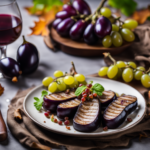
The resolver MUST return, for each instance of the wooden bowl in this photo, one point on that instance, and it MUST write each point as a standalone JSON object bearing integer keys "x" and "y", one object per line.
{"x": 79, "y": 48}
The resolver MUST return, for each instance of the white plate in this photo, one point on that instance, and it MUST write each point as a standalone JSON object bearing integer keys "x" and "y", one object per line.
{"x": 39, "y": 118}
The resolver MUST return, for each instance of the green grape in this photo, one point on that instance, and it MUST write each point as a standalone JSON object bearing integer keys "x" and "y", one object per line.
{"x": 138, "y": 75}
{"x": 145, "y": 79}
{"x": 107, "y": 41}
{"x": 115, "y": 27}
{"x": 119, "y": 74}
{"x": 112, "y": 19}
{"x": 141, "y": 68}
{"x": 132, "y": 64}
{"x": 79, "y": 77}
{"x": 75, "y": 84}
{"x": 47, "y": 80}
{"x": 58, "y": 73}
{"x": 116, "y": 39}
{"x": 103, "y": 71}
{"x": 130, "y": 24}
{"x": 61, "y": 85}
{"x": 127, "y": 75}
{"x": 106, "y": 12}
{"x": 68, "y": 80}
{"x": 53, "y": 87}
{"x": 121, "y": 64}
{"x": 127, "y": 35}
{"x": 112, "y": 71}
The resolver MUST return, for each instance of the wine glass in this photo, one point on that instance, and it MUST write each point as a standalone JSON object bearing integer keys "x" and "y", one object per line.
{"x": 10, "y": 24}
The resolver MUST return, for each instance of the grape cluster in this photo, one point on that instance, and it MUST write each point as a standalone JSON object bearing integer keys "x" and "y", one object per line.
{"x": 75, "y": 21}
{"x": 127, "y": 70}
{"x": 63, "y": 82}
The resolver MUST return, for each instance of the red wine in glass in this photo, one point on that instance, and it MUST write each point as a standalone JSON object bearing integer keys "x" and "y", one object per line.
{"x": 10, "y": 25}
{"x": 10, "y": 28}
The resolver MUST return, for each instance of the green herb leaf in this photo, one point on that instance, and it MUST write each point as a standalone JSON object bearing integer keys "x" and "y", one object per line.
{"x": 98, "y": 88}
{"x": 79, "y": 90}
{"x": 127, "y": 7}
{"x": 39, "y": 101}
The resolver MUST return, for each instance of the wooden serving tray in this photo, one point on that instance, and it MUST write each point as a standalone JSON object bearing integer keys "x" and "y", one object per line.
{"x": 79, "y": 48}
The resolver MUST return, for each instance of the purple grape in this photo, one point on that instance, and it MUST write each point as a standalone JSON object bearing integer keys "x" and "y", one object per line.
{"x": 89, "y": 34}
{"x": 103, "y": 27}
{"x": 77, "y": 30}
{"x": 9, "y": 68}
{"x": 56, "y": 22}
{"x": 27, "y": 57}
{"x": 64, "y": 27}
{"x": 64, "y": 14}
{"x": 82, "y": 7}
{"x": 70, "y": 9}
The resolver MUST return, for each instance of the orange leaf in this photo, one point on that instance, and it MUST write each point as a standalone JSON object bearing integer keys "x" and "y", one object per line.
{"x": 141, "y": 15}
{"x": 40, "y": 27}
{"x": 1, "y": 90}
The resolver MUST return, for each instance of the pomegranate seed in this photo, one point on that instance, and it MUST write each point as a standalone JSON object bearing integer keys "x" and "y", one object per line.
{"x": 67, "y": 91}
{"x": 91, "y": 96}
{"x": 83, "y": 99}
{"x": 83, "y": 92}
{"x": 89, "y": 85}
{"x": 68, "y": 128}
{"x": 129, "y": 119}
{"x": 105, "y": 128}
{"x": 66, "y": 118}
{"x": 60, "y": 122}
{"x": 55, "y": 120}
{"x": 85, "y": 95}
{"x": 67, "y": 122}
{"x": 46, "y": 114}
{"x": 80, "y": 85}
{"x": 87, "y": 91}
{"x": 94, "y": 94}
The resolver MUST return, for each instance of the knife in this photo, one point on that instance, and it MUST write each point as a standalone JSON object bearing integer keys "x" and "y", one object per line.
{"x": 3, "y": 129}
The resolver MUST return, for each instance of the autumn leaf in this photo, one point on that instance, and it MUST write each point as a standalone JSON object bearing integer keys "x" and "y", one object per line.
{"x": 46, "y": 10}
{"x": 1, "y": 90}
{"x": 141, "y": 15}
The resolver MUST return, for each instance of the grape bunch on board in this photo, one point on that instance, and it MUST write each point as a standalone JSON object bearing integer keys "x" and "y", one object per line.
{"x": 128, "y": 71}
{"x": 77, "y": 22}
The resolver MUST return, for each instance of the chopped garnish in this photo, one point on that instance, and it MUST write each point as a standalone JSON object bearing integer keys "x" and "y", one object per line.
{"x": 1, "y": 90}
{"x": 67, "y": 91}
{"x": 68, "y": 128}
{"x": 55, "y": 120}
{"x": 129, "y": 119}
{"x": 60, "y": 122}
{"x": 67, "y": 122}
{"x": 105, "y": 129}
{"x": 44, "y": 121}
{"x": 52, "y": 116}
{"x": 14, "y": 79}
{"x": 46, "y": 114}
{"x": 39, "y": 101}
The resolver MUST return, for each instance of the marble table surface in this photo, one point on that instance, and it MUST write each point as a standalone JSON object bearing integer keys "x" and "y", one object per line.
{"x": 49, "y": 62}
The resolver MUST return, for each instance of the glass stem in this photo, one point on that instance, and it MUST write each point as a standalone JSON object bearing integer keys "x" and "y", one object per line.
{"x": 3, "y": 55}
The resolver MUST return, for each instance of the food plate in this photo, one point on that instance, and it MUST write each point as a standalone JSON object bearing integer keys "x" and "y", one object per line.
{"x": 39, "y": 118}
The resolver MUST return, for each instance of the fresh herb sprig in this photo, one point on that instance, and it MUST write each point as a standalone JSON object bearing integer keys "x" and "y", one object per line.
{"x": 39, "y": 101}
{"x": 96, "y": 88}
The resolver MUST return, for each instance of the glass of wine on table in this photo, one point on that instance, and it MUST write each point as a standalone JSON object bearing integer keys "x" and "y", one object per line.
{"x": 10, "y": 30}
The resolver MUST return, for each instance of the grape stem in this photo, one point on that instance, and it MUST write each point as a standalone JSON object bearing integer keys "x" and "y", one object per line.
{"x": 111, "y": 58}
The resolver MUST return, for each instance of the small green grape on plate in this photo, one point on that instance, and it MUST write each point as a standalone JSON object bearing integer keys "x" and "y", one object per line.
{"x": 47, "y": 80}
{"x": 127, "y": 75}
{"x": 58, "y": 73}
{"x": 112, "y": 71}
{"x": 103, "y": 71}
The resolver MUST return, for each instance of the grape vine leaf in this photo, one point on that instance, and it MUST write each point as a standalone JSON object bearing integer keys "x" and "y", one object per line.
{"x": 127, "y": 7}
{"x": 1, "y": 90}
{"x": 39, "y": 101}
{"x": 142, "y": 15}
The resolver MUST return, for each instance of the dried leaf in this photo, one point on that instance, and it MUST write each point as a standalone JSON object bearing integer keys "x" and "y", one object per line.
{"x": 40, "y": 27}
{"x": 143, "y": 135}
{"x": 1, "y": 90}
{"x": 17, "y": 114}
{"x": 141, "y": 15}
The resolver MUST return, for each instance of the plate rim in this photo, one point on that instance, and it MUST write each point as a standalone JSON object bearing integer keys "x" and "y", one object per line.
{"x": 90, "y": 133}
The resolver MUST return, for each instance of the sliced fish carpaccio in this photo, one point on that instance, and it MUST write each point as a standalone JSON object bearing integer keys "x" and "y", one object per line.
{"x": 53, "y": 100}
{"x": 116, "y": 113}
{"x": 107, "y": 97}
{"x": 87, "y": 117}
{"x": 68, "y": 109}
